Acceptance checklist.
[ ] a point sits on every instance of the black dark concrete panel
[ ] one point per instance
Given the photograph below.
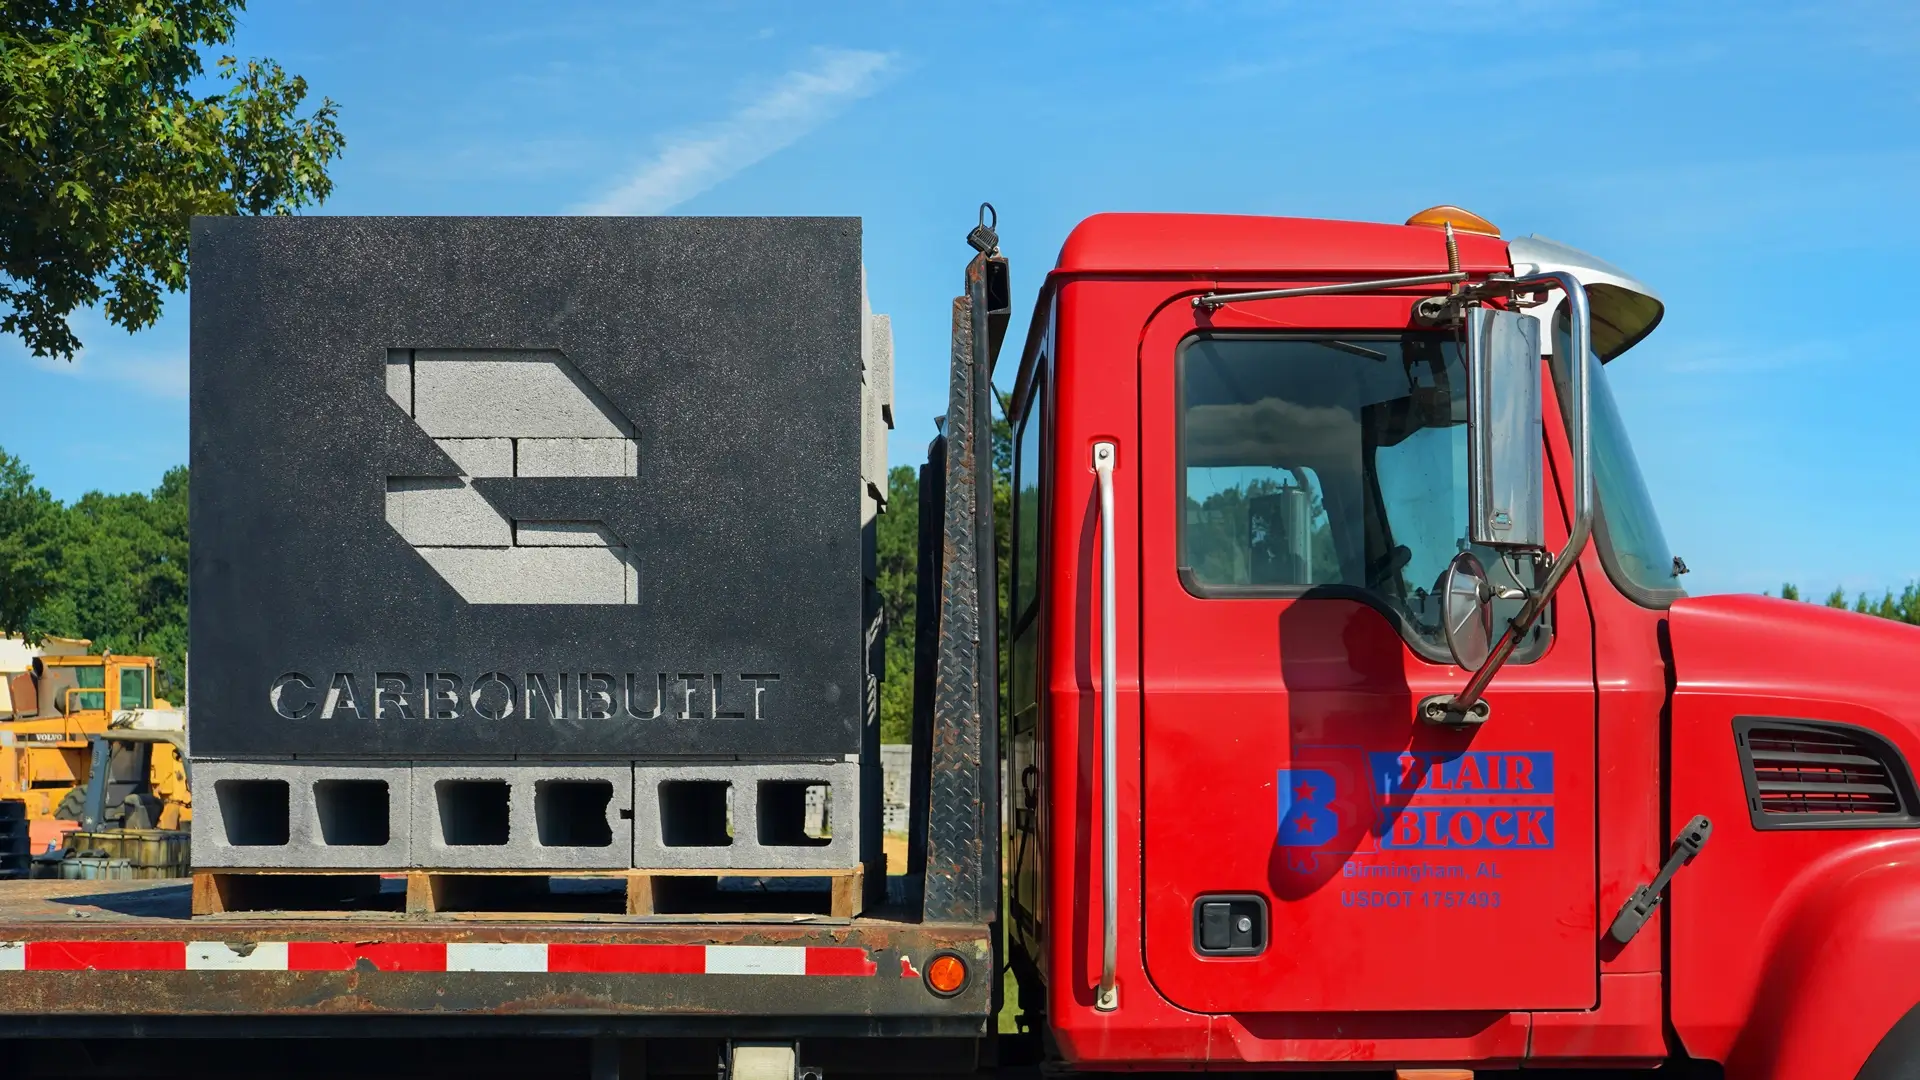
(731, 344)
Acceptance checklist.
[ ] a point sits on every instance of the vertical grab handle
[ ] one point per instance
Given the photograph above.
(1109, 997)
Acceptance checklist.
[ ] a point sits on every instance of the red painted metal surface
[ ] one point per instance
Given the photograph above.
(1432, 844)
(640, 959)
(1626, 1030)
(1793, 951)
(370, 956)
(1228, 723)
(104, 955)
(250, 954)
(1231, 246)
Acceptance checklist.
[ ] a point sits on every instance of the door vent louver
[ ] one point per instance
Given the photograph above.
(1818, 775)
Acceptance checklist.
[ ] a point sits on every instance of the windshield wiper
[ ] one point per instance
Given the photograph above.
(1357, 350)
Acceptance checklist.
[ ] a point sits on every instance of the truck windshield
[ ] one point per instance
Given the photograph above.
(1632, 546)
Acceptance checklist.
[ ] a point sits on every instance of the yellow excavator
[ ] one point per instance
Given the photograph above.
(68, 706)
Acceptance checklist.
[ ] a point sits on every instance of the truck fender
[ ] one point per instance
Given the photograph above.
(1894, 1058)
(1842, 967)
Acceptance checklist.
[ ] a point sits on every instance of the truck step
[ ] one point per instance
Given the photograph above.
(658, 894)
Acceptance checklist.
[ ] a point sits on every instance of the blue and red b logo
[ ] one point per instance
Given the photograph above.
(1306, 808)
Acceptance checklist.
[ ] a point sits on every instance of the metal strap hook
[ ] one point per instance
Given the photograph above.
(985, 237)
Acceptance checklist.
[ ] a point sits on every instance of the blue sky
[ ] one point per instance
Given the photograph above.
(1759, 164)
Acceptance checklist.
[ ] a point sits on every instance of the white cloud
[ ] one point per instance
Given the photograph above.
(794, 106)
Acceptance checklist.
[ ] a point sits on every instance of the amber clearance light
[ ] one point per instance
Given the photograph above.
(946, 974)
(1462, 220)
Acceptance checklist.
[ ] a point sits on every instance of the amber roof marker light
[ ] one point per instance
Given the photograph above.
(1439, 217)
(946, 974)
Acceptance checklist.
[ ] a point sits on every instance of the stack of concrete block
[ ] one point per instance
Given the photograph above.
(876, 418)
(478, 815)
(500, 413)
(529, 544)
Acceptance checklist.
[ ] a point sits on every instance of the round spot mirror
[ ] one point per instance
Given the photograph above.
(1467, 611)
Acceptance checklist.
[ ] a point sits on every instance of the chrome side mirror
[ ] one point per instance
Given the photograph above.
(1466, 611)
(1503, 356)
(1506, 493)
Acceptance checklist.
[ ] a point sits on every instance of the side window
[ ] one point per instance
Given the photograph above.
(1329, 464)
(1026, 512)
(93, 679)
(1024, 592)
(133, 688)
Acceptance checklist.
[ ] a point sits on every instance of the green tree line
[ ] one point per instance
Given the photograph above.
(1903, 606)
(898, 553)
(112, 568)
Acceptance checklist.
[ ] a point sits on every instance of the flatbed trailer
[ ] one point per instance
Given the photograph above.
(386, 982)
(117, 960)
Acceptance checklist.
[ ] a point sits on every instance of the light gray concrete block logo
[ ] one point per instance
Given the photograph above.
(511, 413)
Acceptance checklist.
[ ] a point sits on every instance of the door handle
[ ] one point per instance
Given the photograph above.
(1109, 996)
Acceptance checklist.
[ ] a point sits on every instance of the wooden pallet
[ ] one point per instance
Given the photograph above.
(686, 892)
(700, 893)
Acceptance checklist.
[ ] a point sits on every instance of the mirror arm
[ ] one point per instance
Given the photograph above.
(1461, 705)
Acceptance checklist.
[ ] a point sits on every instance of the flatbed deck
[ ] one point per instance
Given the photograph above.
(115, 958)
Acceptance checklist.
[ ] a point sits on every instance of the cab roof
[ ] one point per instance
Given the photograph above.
(1241, 245)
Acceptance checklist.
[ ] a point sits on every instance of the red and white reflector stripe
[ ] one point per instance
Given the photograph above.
(506, 956)
(435, 956)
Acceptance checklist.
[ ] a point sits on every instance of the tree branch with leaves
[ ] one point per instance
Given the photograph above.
(107, 154)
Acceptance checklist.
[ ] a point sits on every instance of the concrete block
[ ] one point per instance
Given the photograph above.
(880, 364)
(873, 787)
(510, 393)
(534, 575)
(733, 816)
(869, 535)
(896, 763)
(869, 411)
(577, 457)
(866, 324)
(516, 816)
(444, 511)
(873, 444)
(563, 534)
(319, 815)
(400, 378)
(480, 457)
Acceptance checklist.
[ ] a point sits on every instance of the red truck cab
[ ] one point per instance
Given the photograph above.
(1305, 868)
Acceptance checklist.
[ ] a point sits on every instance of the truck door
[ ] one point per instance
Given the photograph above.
(1309, 844)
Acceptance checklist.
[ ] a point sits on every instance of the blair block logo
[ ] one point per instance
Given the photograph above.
(1476, 799)
(1406, 800)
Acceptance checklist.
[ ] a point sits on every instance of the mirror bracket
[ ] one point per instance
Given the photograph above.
(1579, 363)
(1440, 709)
